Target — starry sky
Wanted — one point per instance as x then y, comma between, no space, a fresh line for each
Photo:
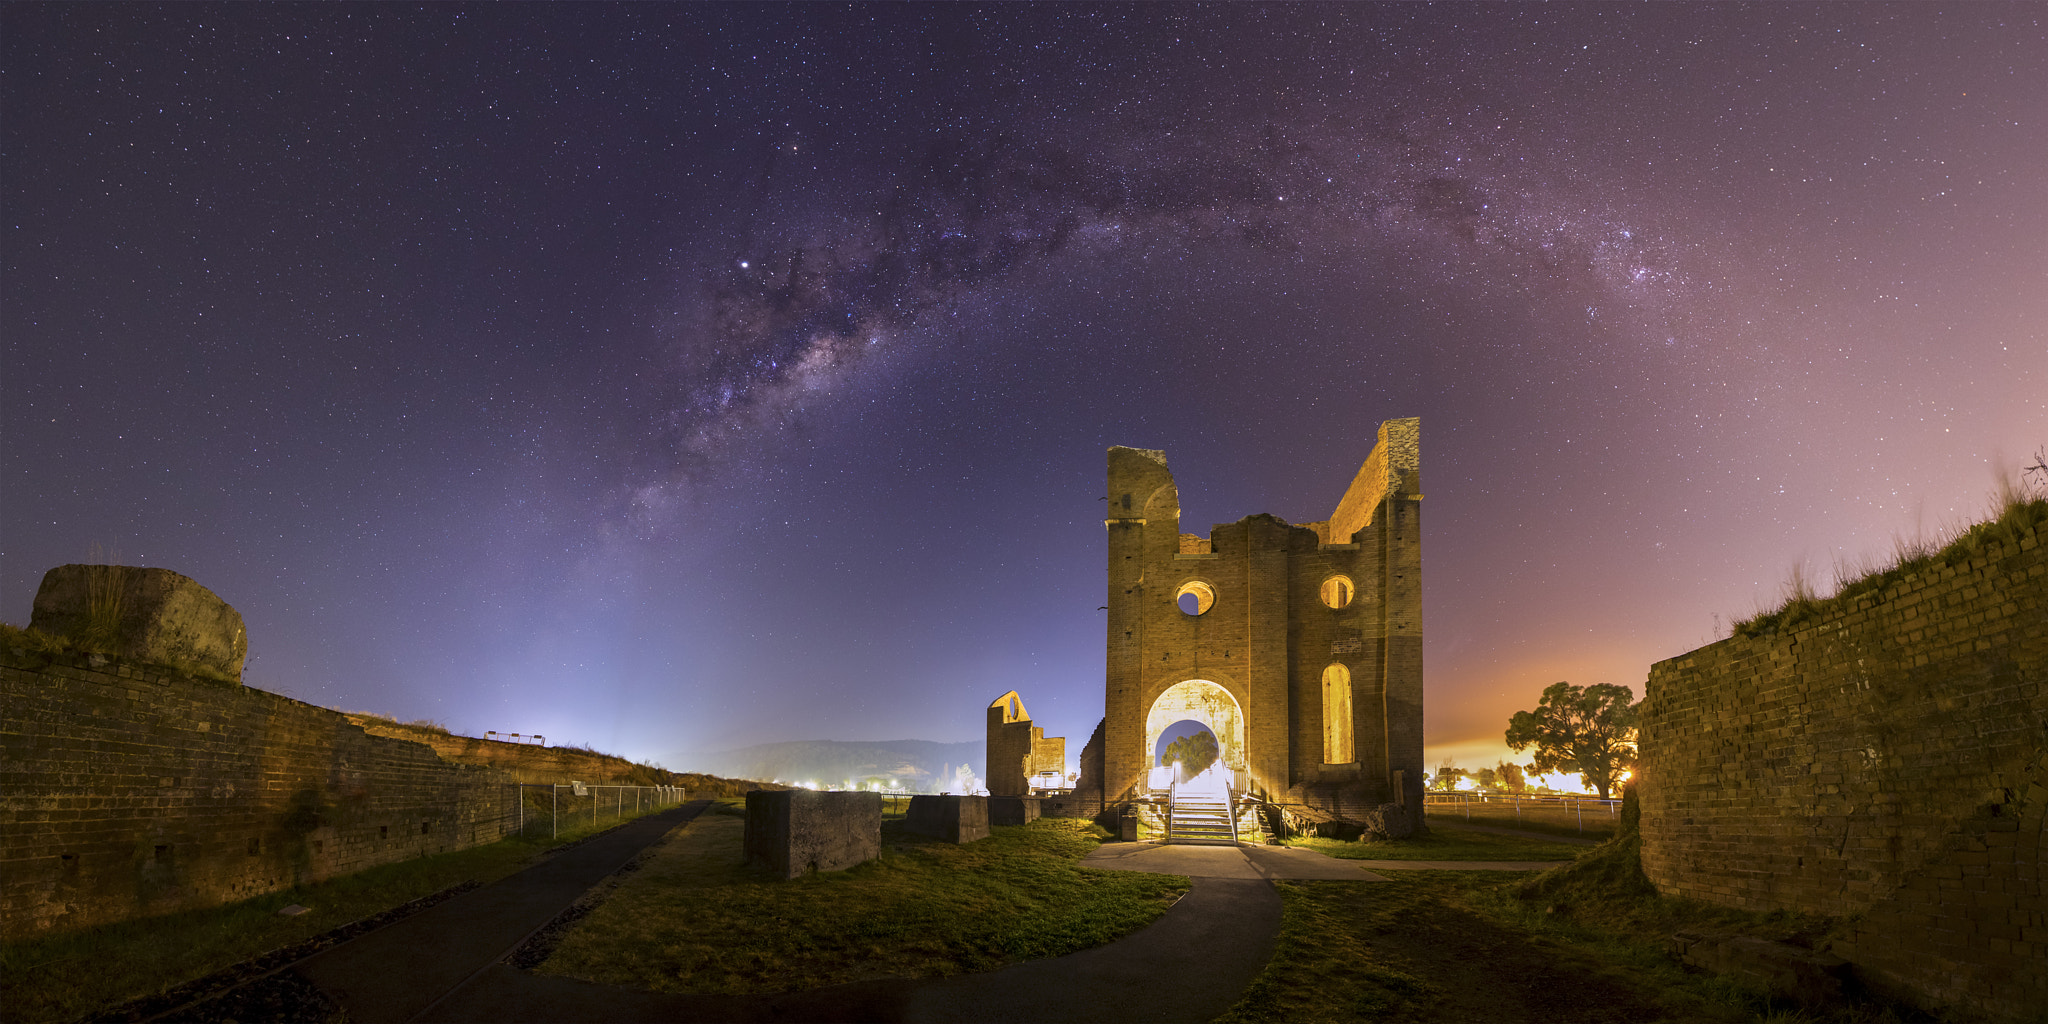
669,378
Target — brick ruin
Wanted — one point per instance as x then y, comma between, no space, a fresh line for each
130,788
1298,646
1887,764
1021,755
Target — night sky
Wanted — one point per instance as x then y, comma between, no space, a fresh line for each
668,378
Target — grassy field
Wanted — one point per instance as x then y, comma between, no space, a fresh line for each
1445,841
1594,822
1581,943
67,976
693,919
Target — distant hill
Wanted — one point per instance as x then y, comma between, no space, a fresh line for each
913,765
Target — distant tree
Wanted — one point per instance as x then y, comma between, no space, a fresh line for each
1486,778
1447,776
1590,730
1510,776
1195,752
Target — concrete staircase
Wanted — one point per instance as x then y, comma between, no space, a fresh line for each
1201,819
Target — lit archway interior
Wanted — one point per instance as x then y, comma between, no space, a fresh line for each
1206,704
1184,737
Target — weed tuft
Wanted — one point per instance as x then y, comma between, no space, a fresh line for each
2019,509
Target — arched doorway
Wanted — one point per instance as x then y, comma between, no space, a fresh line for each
1208,705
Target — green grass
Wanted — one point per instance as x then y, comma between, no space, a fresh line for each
1444,842
1414,949
63,977
1555,819
693,919
1582,942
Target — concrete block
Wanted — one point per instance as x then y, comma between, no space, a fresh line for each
954,819
1013,810
152,615
796,832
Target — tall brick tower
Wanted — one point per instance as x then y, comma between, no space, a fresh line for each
1298,646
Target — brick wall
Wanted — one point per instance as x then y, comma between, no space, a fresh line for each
528,762
128,789
1886,761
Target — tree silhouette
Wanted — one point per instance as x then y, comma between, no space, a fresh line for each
1195,752
1590,730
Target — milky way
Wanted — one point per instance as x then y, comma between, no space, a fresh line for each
800,302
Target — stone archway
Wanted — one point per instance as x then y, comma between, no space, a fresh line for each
1199,700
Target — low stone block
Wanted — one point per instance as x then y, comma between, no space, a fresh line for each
796,832
1013,810
152,615
953,819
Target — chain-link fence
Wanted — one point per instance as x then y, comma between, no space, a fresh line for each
1590,815
550,811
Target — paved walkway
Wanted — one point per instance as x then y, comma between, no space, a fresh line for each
396,973
1277,862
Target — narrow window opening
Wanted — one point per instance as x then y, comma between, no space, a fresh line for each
383,831
426,828
1337,741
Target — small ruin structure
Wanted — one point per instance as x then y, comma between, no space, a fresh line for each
1019,752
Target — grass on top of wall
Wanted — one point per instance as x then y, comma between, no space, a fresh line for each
35,640
693,918
67,976
2019,509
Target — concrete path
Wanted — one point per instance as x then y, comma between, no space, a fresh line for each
1259,862
1277,862
398,972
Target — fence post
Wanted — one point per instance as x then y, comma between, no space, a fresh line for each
519,794
1581,805
555,815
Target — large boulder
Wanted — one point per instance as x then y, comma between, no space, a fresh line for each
153,615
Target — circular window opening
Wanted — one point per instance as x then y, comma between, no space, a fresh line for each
1338,591
1195,597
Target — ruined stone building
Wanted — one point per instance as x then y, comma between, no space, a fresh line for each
1018,750
1298,646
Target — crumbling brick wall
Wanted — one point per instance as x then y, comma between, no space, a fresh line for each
1887,761
129,789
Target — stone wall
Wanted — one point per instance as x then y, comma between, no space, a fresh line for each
1887,761
129,789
